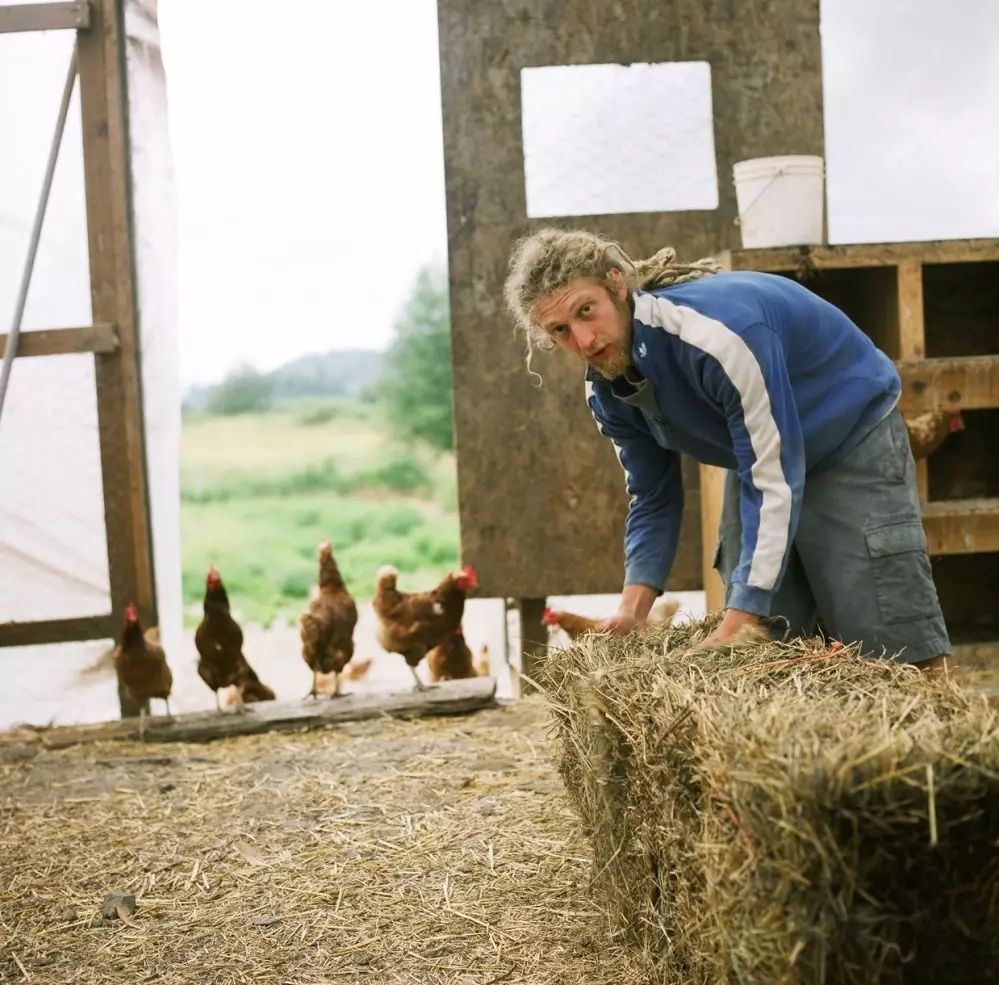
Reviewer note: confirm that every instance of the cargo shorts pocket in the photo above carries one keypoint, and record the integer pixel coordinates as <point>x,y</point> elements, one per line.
<point>903,578</point>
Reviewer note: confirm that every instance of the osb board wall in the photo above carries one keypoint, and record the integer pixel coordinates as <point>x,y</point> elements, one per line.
<point>542,500</point>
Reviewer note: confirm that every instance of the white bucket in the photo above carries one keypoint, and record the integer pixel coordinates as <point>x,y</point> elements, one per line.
<point>780,200</point>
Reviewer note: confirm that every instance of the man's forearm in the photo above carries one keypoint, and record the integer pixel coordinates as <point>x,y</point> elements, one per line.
<point>637,600</point>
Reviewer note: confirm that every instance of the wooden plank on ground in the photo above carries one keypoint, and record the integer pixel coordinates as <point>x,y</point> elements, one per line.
<point>64,341</point>
<point>72,16</point>
<point>962,526</point>
<point>56,631</point>
<point>448,698</point>
<point>969,382</point>
<point>866,255</point>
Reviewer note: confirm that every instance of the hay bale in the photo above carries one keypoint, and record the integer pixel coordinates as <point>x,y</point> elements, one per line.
<point>777,813</point>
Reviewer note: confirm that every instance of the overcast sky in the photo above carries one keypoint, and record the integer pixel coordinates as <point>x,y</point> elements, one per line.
<point>307,148</point>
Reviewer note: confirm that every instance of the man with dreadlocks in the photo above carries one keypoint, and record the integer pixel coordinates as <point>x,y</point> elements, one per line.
<point>754,373</point>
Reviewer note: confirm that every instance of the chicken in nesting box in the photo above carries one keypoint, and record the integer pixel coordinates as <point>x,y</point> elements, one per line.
<point>413,623</point>
<point>327,625</point>
<point>928,431</point>
<point>141,666</point>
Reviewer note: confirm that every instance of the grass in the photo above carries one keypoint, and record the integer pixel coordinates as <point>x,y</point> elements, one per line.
<point>259,491</point>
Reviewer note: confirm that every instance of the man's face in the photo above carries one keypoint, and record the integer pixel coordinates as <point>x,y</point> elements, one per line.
<point>592,322</point>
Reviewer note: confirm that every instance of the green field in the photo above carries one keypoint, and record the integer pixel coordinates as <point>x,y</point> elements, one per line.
<point>260,490</point>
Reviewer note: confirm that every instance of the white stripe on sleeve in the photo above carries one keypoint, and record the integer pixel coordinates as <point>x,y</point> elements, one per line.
<point>742,368</point>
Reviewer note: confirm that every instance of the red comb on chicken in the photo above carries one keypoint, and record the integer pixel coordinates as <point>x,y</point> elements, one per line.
<point>468,579</point>
<point>131,614</point>
<point>550,618</point>
<point>213,579</point>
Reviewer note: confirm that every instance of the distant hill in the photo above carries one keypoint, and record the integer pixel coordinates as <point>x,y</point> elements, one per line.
<point>343,373</point>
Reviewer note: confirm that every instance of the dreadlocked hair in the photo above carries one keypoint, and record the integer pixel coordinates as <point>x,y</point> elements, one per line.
<point>550,259</point>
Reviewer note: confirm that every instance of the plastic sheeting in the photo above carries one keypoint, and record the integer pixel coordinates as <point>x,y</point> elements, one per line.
<point>53,555</point>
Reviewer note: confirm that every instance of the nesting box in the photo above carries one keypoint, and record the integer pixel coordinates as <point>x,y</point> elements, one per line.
<point>933,307</point>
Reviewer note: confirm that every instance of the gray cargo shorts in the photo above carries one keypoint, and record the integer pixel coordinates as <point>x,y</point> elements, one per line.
<point>859,560</point>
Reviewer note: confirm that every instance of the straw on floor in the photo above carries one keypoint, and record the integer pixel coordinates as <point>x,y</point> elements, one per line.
<point>779,813</point>
<point>434,851</point>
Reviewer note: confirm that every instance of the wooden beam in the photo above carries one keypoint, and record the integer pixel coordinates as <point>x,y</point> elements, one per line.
<point>803,258</point>
<point>712,497</point>
<point>971,383</point>
<point>57,631</point>
<point>911,342</point>
<point>962,526</point>
<point>447,698</point>
<point>64,341</point>
<point>109,229</point>
<point>45,17</point>
<point>533,642</point>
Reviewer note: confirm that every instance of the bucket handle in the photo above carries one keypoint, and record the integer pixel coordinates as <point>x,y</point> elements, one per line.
<point>737,221</point>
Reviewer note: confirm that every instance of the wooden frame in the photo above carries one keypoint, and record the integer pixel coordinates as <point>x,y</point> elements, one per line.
<point>45,16</point>
<point>113,338</point>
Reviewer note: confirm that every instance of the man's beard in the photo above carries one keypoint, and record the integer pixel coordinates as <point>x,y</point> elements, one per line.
<point>617,362</point>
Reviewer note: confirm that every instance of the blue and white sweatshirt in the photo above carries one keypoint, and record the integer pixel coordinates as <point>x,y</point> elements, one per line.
<point>746,371</point>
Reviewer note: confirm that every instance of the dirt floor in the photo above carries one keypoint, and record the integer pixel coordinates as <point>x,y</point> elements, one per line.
<point>438,850</point>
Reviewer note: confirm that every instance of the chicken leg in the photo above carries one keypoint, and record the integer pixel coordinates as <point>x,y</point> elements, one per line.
<point>420,686</point>
<point>314,693</point>
<point>336,685</point>
<point>218,704</point>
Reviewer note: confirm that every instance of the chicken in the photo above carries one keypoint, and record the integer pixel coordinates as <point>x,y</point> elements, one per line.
<point>253,689</point>
<point>575,625</point>
<point>354,671</point>
<point>483,664</point>
<point>358,669</point>
<point>327,625</point>
<point>413,623</point>
<point>451,659</point>
<point>219,642</point>
<point>141,666</point>
<point>929,430</point>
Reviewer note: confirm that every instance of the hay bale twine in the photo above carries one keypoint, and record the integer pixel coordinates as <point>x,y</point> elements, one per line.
<point>782,813</point>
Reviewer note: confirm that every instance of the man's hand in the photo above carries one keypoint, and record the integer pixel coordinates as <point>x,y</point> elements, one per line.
<point>622,623</point>
<point>732,622</point>
<point>636,601</point>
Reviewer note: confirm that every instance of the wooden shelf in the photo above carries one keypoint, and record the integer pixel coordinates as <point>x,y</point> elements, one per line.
<point>962,526</point>
<point>970,383</point>
<point>793,258</point>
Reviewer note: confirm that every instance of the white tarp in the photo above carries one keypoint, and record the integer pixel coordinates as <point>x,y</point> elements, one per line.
<point>53,557</point>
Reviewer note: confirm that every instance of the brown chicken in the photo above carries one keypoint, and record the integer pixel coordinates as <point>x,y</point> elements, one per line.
<point>575,625</point>
<point>253,689</point>
<point>219,641</point>
<point>451,659</point>
<point>141,666</point>
<point>413,623</point>
<point>327,626</point>
<point>928,431</point>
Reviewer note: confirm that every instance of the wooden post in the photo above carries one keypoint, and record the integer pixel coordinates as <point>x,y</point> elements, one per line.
<point>912,337</point>
<point>112,285</point>
<point>712,496</point>
<point>533,640</point>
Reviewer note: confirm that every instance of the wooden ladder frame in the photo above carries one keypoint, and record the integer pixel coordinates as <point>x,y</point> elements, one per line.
<point>113,337</point>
